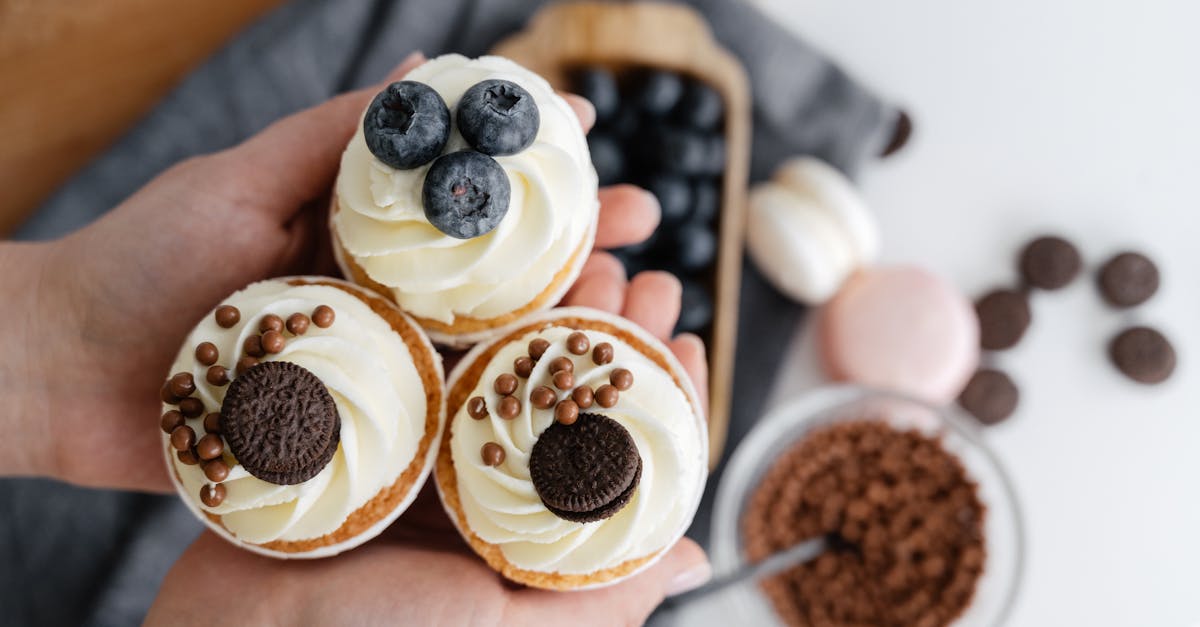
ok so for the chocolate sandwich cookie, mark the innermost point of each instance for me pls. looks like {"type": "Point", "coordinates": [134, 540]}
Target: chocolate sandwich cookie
{"type": "Point", "coordinates": [1003, 318]}
{"type": "Point", "coordinates": [1128, 279]}
{"type": "Point", "coordinates": [1143, 354]}
{"type": "Point", "coordinates": [281, 423]}
{"type": "Point", "coordinates": [587, 470]}
{"type": "Point", "coordinates": [1050, 262]}
{"type": "Point", "coordinates": [990, 396]}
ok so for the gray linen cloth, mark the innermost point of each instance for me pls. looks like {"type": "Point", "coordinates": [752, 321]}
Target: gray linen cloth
{"type": "Point", "coordinates": [79, 556]}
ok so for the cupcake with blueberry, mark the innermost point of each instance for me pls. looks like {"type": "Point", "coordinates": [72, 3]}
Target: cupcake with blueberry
{"type": "Point", "coordinates": [302, 416]}
{"type": "Point", "coordinates": [467, 196]}
{"type": "Point", "coordinates": [575, 450]}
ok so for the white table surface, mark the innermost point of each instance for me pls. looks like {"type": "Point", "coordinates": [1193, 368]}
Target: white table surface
{"type": "Point", "coordinates": [1080, 117]}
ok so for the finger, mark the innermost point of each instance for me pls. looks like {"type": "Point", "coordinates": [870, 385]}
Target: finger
{"type": "Point", "coordinates": [652, 302]}
{"type": "Point", "coordinates": [583, 110]}
{"type": "Point", "coordinates": [683, 568]}
{"type": "Point", "coordinates": [689, 350]}
{"type": "Point", "coordinates": [628, 215]}
{"type": "Point", "coordinates": [601, 284]}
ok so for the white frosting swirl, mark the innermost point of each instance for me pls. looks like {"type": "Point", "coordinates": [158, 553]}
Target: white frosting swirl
{"type": "Point", "coordinates": [503, 508]}
{"type": "Point", "coordinates": [381, 220]}
{"type": "Point", "coordinates": [380, 397]}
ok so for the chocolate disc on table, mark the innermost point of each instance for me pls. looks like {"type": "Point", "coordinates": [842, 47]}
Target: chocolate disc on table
{"type": "Point", "coordinates": [280, 422]}
{"type": "Point", "coordinates": [1128, 279]}
{"type": "Point", "coordinates": [1143, 354]}
{"type": "Point", "coordinates": [585, 471]}
{"type": "Point", "coordinates": [1050, 262]}
{"type": "Point", "coordinates": [1003, 318]}
{"type": "Point", "coordinates": [990, 396]}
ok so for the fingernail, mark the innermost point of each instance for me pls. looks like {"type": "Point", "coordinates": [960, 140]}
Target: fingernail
{"type": "Point", "coordinates": [585, 108]}
{"type": "Point", "coordinates": [652, 200]}
{"type": "Point", "coordinates": [690, 579]}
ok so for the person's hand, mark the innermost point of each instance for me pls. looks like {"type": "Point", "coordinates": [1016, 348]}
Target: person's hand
{"type": "Point", "coordinates": [106, 308]}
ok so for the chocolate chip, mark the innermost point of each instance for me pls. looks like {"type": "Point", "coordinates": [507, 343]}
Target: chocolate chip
{"type": "Point", "coordinates": [227, 316]}
{"type": "Point", "coordinates": [621, 379]}
{"type": "Point", "coordinates": [1003, 318]}
{"type": "Point", "coordinates": [560, 364]}
{"type": "Point", "coordinates": [1143, 354]}
{"type": "Point", "coordinates": [607, 395]}
{"type": "Point", "coordinates": [280, 422]}
{"type": "Point", "coordinates": [585, 471]}
{"type": "Point", "coordinates": [244, 364]}
{"type": "Point", "coordinates": [182, 384]}
{"type": "Point", "coordinates": [270, 322]}
{"type": "Point", "coordinates": [170, 420]}
{"type": "Point", "coordinates": [210, 447]}
{"type": "Point", "coordinates": [212, 495]}
{"type": "Point", "coordinates": [523, 366]}
{"type": "Point", "coordinates": [183, 438]}
{"type": "Point", "coordinates": [583, 396]}
{"type": "Point", "coordinates": [505, 384]}
{"type": "Point", "coordinates": [1050, 262]}
{"type": "Point", "coordinates": [1128, 279]}
{"type": "Point", "coordinates": [212, 423]}
{"type": "Point", "coordinates": [273, 342]}
{"type": "Point", "coordinates": [602, 354]}
{"type": "Point", "coordinates": [577, 343]}
{"type": "Point", "coordinates": [188, 457]}
{"type": "Point", "coordinates": [206, 353]}
{"type": "Point", "coordinates": [216, 470]}
{"type": "Point", "coordinates": [537, 348]}
{"type": "Point", "coordinates": [566, 412]}
{"type": "Point", "coordinates": [166, 395]}
{"type": "Point", "coordinates": [217, 375]}
{"type": "Point", "coordinates": [191, 407]}
{"type": "Point", "coordinates": [508, 408]}
{"type": "Point", "coordinates": [492, 454]}
{"type": "Point", "coordinates": [564, 380]}
{"type": "Point", "coordinates": [323, 316]}
{"type": "Point", "coordinates": [297, 324]}
{"type": "Point", "coordinates": [543, 397]}
{"type": "Point", "coordinates": [477, 408]}
{"type": "Point", "coordinates": [902, 130]}
{"type": "Point", "coordinates": [990, 396]}
{"type": "Point", "coordinates": [253, 347]}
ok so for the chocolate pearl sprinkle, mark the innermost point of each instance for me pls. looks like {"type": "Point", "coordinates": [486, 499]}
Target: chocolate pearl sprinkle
{"type": "Point", "coordinates": [273, 342]}
{"type": "Point", "coordinates": [621, 379]}
{"type": "Point", "coordinates": [212, 495]}
{"type": "Point", "coordinates": [270, 322]}
{"type": "Point", "coordinates": [505, 384]}
{"type": "Point", "coordinates": [216, 470]}
{"type": "Point", "coordinates": [206, 353]}
{"type": "Point", "coordinates": [542, 397]}
{"type": "Point", "coordinates": [212, 423]}
{"type": "Point", "coordinates": [508, 408]}
{"type": "Point", "coordinates": [253, 346]}
{"type": "Point", "coordinates": [492, 454]}
{"type": "Point", "coordinates": [165, 394]}
{"type": "Point", "coordinates": [477, 408]}
{"type": "Point", "coordinates": [170, 420]}
{"type": "Point", "coordinates": [323, 316]}
{"type": "Point", "coordinates": [561, 363]}
{"type": "Point", "coordinates": [182, 438]}
{"type": "Point", "coordinates": [182, 384]}
{"type": "Point", "coordinates": [523, 366]}
{"type": "Point", "coordinates": [188, 457]}
{"type": "Point", "coordinates": [210, 447]}
{"type": "Point", "coordinates": [602, 354]}
{"type": "Point", "coordinates": [297, 324]}
{"type": "Point", "coordinates": [583, 396]}
{"type": "Point", "coordinates": [227, 316]}
{"type": "Point", "coordinates": [245, 364]}
{"type": "Point", "coordinates": [607, 395]}
{"type": "Point", "coordinates": [578, 343]}
{"type": "Point", "coordinates": [537, 348]}
{"type": "Point", "coordinates": [217, 375]}
{"type": "Point", "coordinates": [567, 412]}
{"type": "Point", "coordinates": [191, 407]}
{"type": "Point", "coordinates": [564, 380]}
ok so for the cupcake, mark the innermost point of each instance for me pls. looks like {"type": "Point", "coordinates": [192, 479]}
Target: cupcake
{"type": "Point", "coordinates": [302, 416]}
{"type": "Point", "coordinates": [575, 450]}
{"type": "Point", "coordinates": [467, 196]}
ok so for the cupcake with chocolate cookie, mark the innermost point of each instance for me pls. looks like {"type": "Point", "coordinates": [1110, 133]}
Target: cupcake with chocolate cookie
{"type": "Point", "coordinates": [575, 450]}
{"type": "Point", "coordinates": [467, 196]}
{"type": "Point", "coordinates": [302, 416]}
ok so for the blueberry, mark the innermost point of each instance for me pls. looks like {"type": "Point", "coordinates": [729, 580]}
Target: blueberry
{"type": "Point", "coordinates": [465, 194]}
{"type": "Point", "coordinates": [674, 196]}
{"type": "Point", "coordinates": [607, 157]}
{"type": "Point", "coordinates": [700, 107]}
{"type": "Point", "coordinates": [695, 247]}
{"type": "Point", "coordinates": [498, 117]}
{"type": "Point", "coordinates": [625, 124]}
{"type": "Point", "coordinates": [680, 151]}
{"type": "Point", "coordinates": [706, 201]}
{"type": "Point", "coordinates": [695, 309]}
{"type": "Point", "coordinates": [714, 155]}
{"type": "Point", "coordinates": [600, 88]}
{"type": "Point", "coordinates": [659, 92]}
{"type": "Point", "coordinates": [407, 125]}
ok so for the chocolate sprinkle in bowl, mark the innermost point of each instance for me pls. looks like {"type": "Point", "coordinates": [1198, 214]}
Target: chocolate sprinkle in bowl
{"type": "Point", "coordinates": [934, 536]}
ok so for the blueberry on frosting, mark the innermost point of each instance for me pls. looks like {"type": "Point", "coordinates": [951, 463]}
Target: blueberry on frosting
{"type": "Point", "coordinates": [465, 194]}
{"type": "Point", "coordinates": [498, 117]}
{"type": "Point", "coordinates": [407, 125]}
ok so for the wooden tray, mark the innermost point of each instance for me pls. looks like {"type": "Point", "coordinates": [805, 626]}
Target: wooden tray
{"type": "Point", "coordinates": [673, 37]}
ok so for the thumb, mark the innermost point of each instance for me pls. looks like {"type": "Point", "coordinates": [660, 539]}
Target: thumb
{"type": "Point", "coordinates": [683, 568]}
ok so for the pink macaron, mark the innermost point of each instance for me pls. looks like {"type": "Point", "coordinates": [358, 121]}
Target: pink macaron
{"type": "Point", "coordinates": [901, 328]}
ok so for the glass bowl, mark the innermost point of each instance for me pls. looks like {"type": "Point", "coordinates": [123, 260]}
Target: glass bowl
{"type": "Point", "coordinates": [1004, 536]}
